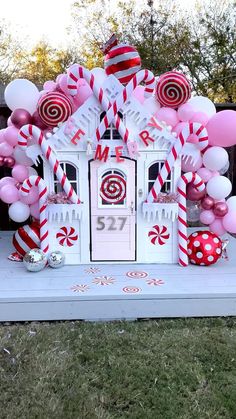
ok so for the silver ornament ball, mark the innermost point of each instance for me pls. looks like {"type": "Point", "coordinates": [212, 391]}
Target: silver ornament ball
{"type": "Point", "coordinates": [35, 260]}
{"type": "Point", "coordinates": [56, 259]}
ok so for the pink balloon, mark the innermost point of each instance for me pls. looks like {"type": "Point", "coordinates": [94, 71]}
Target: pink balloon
{"type": "Point", "coordinates": [2, 136]}
{"type": "Point", "coordinates": [34, 210]}
{"type": "Point", "coordinates": [179, 127]}
{"type": "Point", "coordinates": [31, 198]}
{"type": "Point", "coordinates": [84, 92]}
{"type": "Point", "coordinates": [205, 174]}
{"type": "Point", "coordinates": [229, 221]}
{"type": "Point", "coordinates": [20, 172]}
{"type": "Point", "coordinates": [9, 122]}
{"type": "Point", "coordinates": [20, 117]}
{"type": "Point", "coordinates": [11, 136]}
{"type": "Point", "coordinates": [193, 194]}
{"type": "Point", "coordinates": [168, 115]}
{"type": "Point", "coordinates": [185, 112]}
{"type": "Point", "coordinates": [49, 86]}
{"type": "Point", "coordinates": [221, 129]}
{"type": "Point", "coordinates": [9, 194]}
{"type": "Point", "coordinates": [217, 227]}
{"type": "Point", "coordinates": [207, 217]}
{"type": "Point", "coordinates": [7, 181]}
{"type": "Point", "coordinates": [138, 93]}
{"type": "Point", "coordinates": [5, 149]}
{"type": "Point", "coordinates": [188, 166]}
{"type": "Point", "coordinates": [200, 117]}
{"type": "Point", "coordinates": [36, 120]}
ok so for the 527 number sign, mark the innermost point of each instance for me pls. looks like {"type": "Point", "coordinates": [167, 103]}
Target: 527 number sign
{"type": "Point", "coordinates": [110, 223]}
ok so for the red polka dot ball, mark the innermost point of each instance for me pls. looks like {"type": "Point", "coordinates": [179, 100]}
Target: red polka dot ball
{"type": "Point", "coordinates": [204, 248]}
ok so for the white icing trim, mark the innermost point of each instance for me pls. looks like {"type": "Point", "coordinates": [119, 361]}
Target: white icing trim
{"type": "Point", "coordinates": [158, 211]}
{"type": "Point", "coordinates": [64, 212]}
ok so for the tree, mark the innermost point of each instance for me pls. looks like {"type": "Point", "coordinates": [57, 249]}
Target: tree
{"type": "Point", "coordinates": [9, 48]}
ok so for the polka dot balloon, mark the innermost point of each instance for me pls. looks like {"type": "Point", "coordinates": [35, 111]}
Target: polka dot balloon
{"type": "Point", "coordinates": [204, 248]}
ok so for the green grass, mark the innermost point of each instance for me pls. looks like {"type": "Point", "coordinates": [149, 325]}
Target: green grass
{"type": "Point", "coordinates": [168, 369]}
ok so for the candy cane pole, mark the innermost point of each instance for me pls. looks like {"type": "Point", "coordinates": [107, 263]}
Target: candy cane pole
{"type": "Point", "coordinates": [28, 131]}
{"type": "Point", "coordinates": [191, 129]}
{"type": "Point", "coordinates": [42, 188]}
{"type": "Point", "coordinates": [112, 109]}
{"type": "Point", "coordinates": [182, 216]}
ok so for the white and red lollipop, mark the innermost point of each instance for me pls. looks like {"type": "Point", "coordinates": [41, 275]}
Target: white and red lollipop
{"type": "Point", "coordinates": [173, 89]}
{"type": "Point", "coordinates": [54, 108]}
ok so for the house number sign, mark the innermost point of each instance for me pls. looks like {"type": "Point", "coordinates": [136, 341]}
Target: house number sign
{"type": "Point", "coordinates": [111, 223]}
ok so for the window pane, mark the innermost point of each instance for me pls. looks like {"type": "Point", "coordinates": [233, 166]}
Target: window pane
{"type": "Point", "coordinates": [150, 185]}
{"type": "Point", "coordinates": [70, 171]}
{"type": "Point", "coordinates": [153, 171]}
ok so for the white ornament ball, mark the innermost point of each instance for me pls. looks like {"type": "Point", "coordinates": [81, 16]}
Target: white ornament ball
{"type": "Point", "coordinates": [231, 202]}
{"type": "Point", "coordinates": [215, 158]}
{"type": "Point", "coordinates": [219, 187]}
{"type": "Point", "coordinates": [19, 212]}
{"type": "Point", "coordinates": [35, 260]}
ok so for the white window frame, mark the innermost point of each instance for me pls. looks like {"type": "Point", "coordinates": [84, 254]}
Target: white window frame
{"type": "Point", "coordinates": [73, 182]}
{"type": "Point", "coordinates": [168, 182]}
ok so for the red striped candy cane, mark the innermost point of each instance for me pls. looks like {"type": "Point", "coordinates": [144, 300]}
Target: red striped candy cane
{"type": "Point", "coordinates": [28, 131]}
{"type": "Point", "coordinates": [192, 128]}
{"type": "Point", "coordinates": [112, 109]}
{"type": "Point", "coordinates": [194, 178]}
{"type": "Point", "coordinates": [42, 188]}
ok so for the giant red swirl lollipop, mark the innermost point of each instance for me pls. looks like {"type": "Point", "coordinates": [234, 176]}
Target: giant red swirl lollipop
{"type": "Point", "coordinates": [173, 89]}
{"type": "Point", "coordinates": [113, 189]}
{"type": "Point", "coordinates": [53, 108]}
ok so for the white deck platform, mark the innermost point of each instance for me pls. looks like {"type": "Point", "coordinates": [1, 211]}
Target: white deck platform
{"type": "Point", "coordinates": [109, 292]}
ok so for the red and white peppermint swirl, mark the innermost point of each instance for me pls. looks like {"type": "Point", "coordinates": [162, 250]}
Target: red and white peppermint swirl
{"type": "Point", "coordinates": [173, 89]}
{"type": "Point", "coordinates": [26, 237]}
{"type": "Point", "coordinates": [53, 108]}
{"type": "Point", "coordinates": [113, 189]}
{"type": "Point", "coordinates": [67, 236]}
{"type": "Point", "coordinates": [131, 290]}
{"type": "Point", "coordinates": [159, 235]}
{"type": "Point", "coordinates": [136, 274]}
{"type": "Point", "coordinates": [123, 61]}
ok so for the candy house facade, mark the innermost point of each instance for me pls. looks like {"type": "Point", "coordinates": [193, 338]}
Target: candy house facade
{"type": "Point", "coordinates": [113, 223]}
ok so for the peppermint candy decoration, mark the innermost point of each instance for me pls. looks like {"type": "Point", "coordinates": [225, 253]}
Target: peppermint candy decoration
{"type": "Point", "coordinates": [26, 238]}
{"type": "Point", "coordinates": [173, 89]}
{"type": "Point", "coordinates": [54, 108]}
{"type": "Point", "coordinates": [67, 236]}
{"type": "Point", "coordinates": [131, 290]}
{"type": "Point", "coordinates": [113, 189]}
{"type": "Point", "coordinates": [159, 235]}
{"type": "Point", "coordinates": [122, 60]}
{"type": "Point", "coordinates": [136, 274]}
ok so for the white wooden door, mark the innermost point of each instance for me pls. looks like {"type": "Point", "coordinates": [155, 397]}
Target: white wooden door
{"type": "Point", "coordinates": [112, 203]}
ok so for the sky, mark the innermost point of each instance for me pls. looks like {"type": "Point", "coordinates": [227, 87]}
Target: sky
{"type": "Point", "coordinates": [48, 19]}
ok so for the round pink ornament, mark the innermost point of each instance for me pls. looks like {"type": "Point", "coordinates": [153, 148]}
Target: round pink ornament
{"type": "Point", "coordinates": [5, 149]}
{"type": "Point", "coordinates": [207, 217]}
{"type": "Point", "coordinates": [20, 172]}
{"type": "Point", "coordinates": [220, 209]}
{"type": "Point", "coordinates": [9, 194]}
{"type": "Point", "coordinates": [207, 202]}
{"type": "Point", "coordinates": [9, 162]}
{"type": "Point", "coordinates": [217, 227]}
{"type": "Point", "coordinates": [20, 117]}
{"type": "Point", "coordinates": [193, 194]}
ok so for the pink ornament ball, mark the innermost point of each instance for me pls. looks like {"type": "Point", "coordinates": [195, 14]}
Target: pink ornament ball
{"type": "Point", "coordinates": [2, 158]}
{"type": "Point", "coordinates": [9, 194]}
{"type": "Point", "coordinates": [49, 86]}
{"type": "Point", "coordinates": [193, 194]}
{"type": "Point", "coordinates": [5, 149]}
{"type": "Point", "coordinates": [207, 203]}
{"type": "Point", "coordinates": [217, 227]}
{"type": "Point", "coordinates": [200, 117]}
{"type": "Point", "coordinates": [2, 136]}
{"type": "Point", "coordinates": [9, 162]}
{"type": "Point", "coordinates": [20, 117]}
{"type": "Point", "coordinates": [31, 198]}
{"type": "Point", "coordinates": [168, 115]}
{"type": "Point", "coordinates": [36, 120]}
{"type": "Point", "coordinates": [20, 172]}
{"type": "Point", "coordinates": [207, 217]}
{"type": "Point", "coordinates": [221, 129]}
{"type": "Point", "coordinates": [11, 136]}
{"type": "Point", "coordinates": [7, 180]}
{"type": "Point", "coordinates": [229, 221]}
{"type": "Point", "coordinates": [220, 209]}
{"type": "Point", "coordinates": [185, 112]}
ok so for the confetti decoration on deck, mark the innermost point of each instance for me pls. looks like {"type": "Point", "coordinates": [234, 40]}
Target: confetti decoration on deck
{"type": "Point", "coordinates": [92, 270]}
{"type": "Point", "coordinates": [80, 288]}
{"type": "Point", "coordinates": [132, 290]}
{"type": "Point", "coordinates": [155, 282]}
{"type": "Point", "coordinates": [104, 280]}
{"type": "Point", "coordinates": [136, 274]}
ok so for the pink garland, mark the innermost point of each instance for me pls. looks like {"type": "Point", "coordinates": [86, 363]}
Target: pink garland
{"type": "Point", "coordinates": [166, 198]}
{"type": "Point", "coordinates": [58, 198]}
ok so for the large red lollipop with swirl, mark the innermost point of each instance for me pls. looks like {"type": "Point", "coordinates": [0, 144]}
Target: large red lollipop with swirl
{"type": "Point", "coordinates": [53, 108]}
{"type": "Point", "coordinates": [113, 189]}
{"type": "Point", "coordinates": [173, 89]}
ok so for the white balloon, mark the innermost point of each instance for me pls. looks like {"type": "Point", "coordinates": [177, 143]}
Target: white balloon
{"type": "Point", "coordinates": [203, 104]}
{"type": "Point", "coordinates": [99, 74]}
{"type": "Point", "coordinates": [21, 93]}
{"type": "Point", "coordinates": [215, 158]}
{"type": "Point", "coordinates": [219, 187]}
{"type": "Point", "coordinates": [19, 212]}
{"type": "Point", "coordinates": [231, 202]}
{"type": "Point", "coordinates": [21, 158]}
{"type": "Point", "coordinates": [152, 105]}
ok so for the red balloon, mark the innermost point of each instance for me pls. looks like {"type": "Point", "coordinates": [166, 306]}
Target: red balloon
{"type": "Point", "coordinates": [20, 117]}
{"type": "Point", "coordinates": [204, 248]}
{"type": "Point", "coordinates": [193, 194]}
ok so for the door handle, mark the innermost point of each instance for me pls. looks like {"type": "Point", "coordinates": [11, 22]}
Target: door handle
{"type": "Point", "coordinates": [132, 207]}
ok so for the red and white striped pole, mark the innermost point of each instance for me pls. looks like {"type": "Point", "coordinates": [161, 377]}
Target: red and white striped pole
{"type": "Point", "coordinates": [191, 129]}
{"type": "Point", "coordinates": [30, 131]}
{"type": "Point", "coordinates": [42, 188]}
{"type": "Point", "coordinates": [112, 109]}
{"type": "Point", "coordinates": [194, 178]}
